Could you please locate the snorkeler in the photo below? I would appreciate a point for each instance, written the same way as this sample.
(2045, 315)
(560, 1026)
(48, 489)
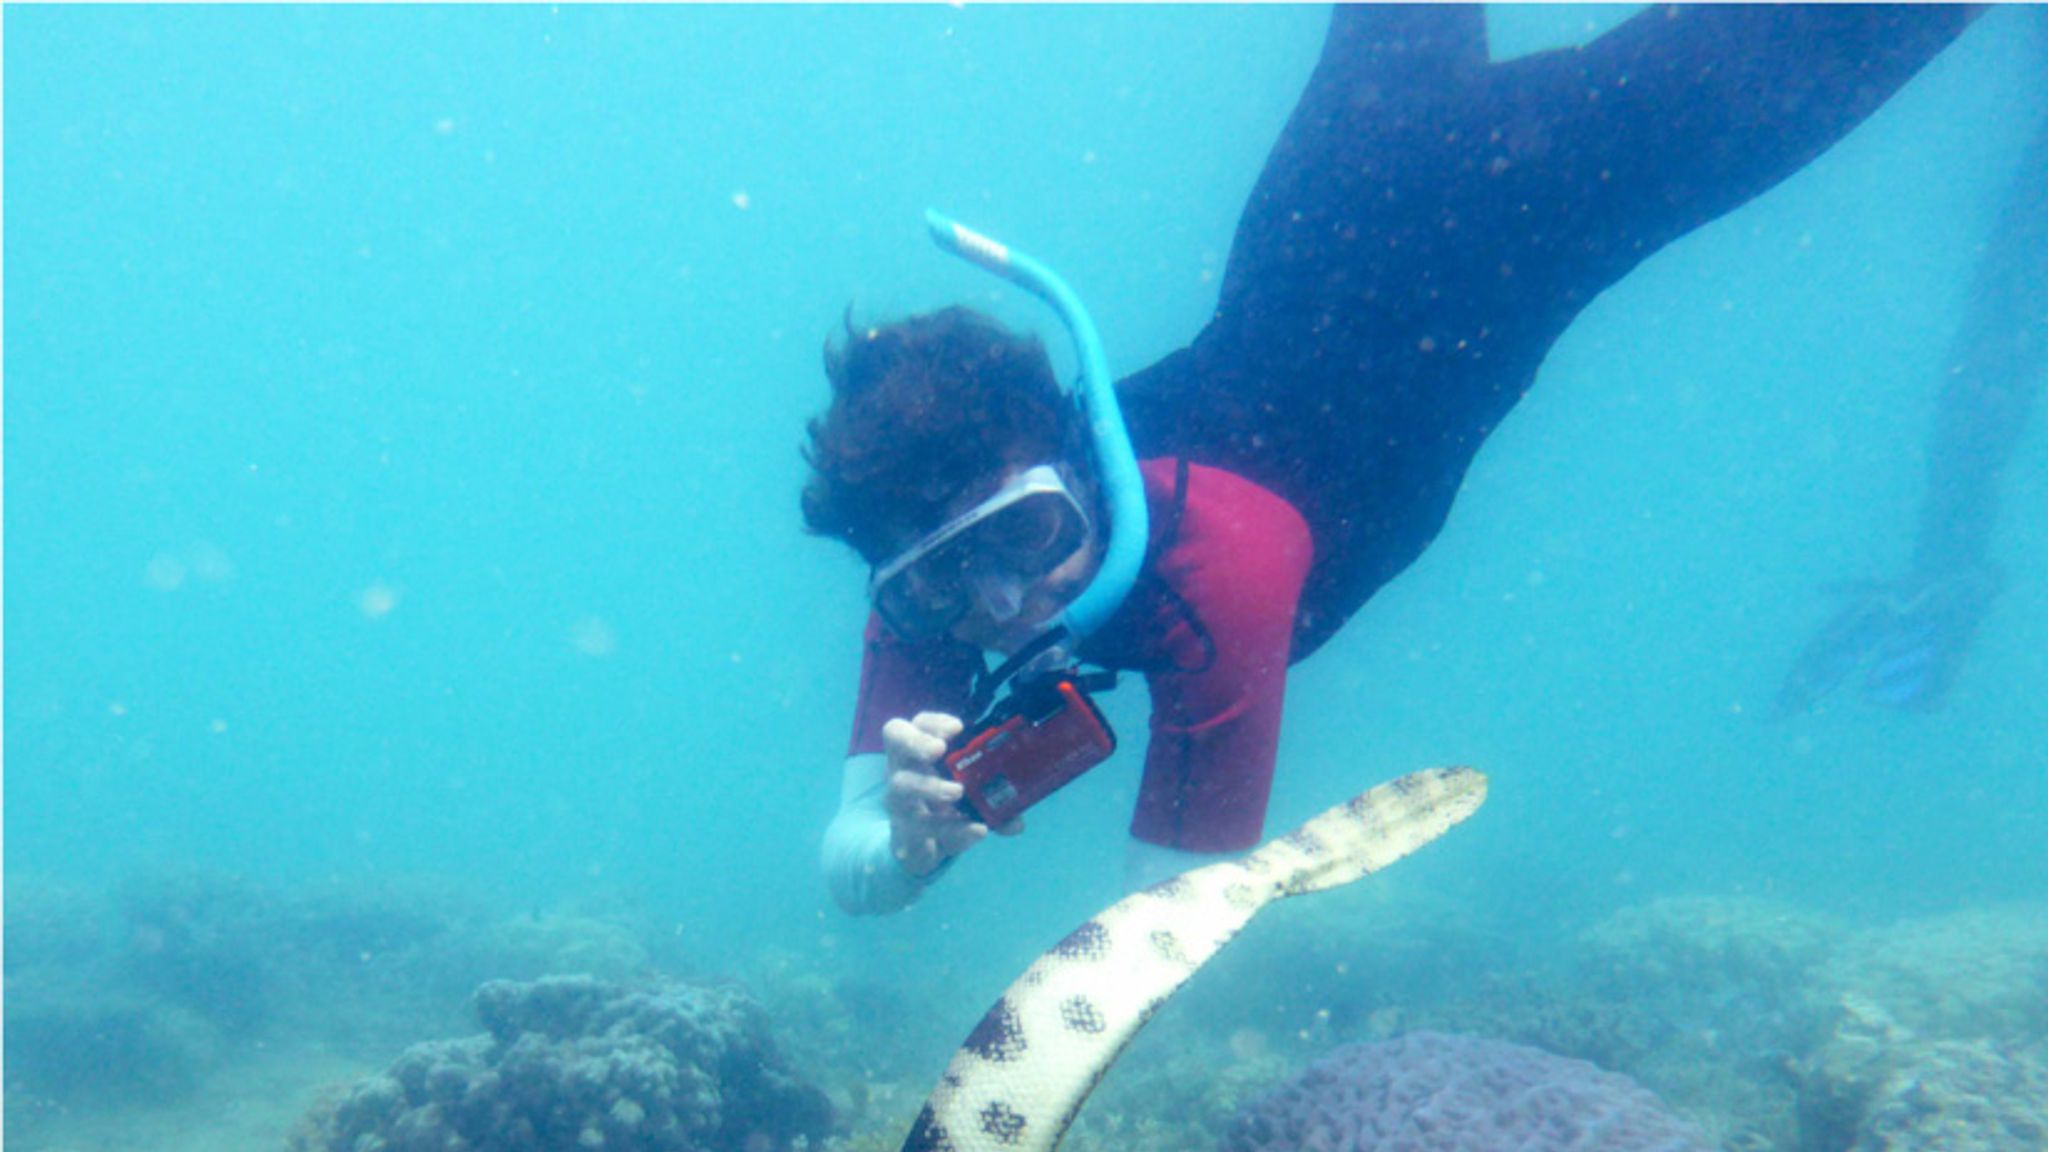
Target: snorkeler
(1905, 640)
(1428, 224)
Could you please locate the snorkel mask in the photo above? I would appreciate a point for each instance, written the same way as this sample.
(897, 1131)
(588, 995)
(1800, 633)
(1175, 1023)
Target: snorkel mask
(1033, 523)
(991, 554)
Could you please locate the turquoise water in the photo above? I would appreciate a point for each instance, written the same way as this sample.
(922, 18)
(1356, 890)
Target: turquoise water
(401, 464)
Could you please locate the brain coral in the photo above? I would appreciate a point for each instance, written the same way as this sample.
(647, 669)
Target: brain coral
(571, 1062)
(1431, 1092)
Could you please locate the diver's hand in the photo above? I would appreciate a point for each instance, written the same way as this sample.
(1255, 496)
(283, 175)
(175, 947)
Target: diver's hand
(926, 826)
(1904, 639)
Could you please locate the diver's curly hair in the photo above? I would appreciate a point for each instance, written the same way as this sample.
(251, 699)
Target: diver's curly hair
(923, 409)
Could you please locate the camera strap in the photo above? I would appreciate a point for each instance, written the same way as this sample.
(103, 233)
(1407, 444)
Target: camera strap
(991, 681)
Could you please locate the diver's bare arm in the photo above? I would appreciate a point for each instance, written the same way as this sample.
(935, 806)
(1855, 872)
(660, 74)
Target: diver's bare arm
(898, 824)
(860, 867)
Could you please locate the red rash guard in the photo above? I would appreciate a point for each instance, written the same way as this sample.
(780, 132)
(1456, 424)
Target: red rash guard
(1210, 623)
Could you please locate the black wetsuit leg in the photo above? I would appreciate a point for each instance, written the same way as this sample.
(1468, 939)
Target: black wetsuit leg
(1994, 378)
(1429, 223)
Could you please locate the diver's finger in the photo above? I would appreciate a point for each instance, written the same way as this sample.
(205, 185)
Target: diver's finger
(960, 837)
(919, 806)
(920, 786)
(943, 725)
(906, 742)
(918, 855)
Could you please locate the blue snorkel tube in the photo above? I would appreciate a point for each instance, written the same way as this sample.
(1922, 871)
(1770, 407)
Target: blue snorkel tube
(1115, 462)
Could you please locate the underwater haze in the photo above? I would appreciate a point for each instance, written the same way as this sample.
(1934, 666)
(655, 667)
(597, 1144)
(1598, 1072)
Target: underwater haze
(402, 424)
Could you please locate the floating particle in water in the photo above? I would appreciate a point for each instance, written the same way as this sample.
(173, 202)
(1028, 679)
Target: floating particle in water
(741, 200)
(377, 601)
(168, 570)
(1248, 1044)
(593, 637)
(164, 572)
(209, 564)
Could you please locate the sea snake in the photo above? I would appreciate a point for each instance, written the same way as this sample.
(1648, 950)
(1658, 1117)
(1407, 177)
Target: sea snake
(1022, 1074)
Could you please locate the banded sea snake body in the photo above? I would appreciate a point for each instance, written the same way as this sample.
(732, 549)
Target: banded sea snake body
(1021, 1076)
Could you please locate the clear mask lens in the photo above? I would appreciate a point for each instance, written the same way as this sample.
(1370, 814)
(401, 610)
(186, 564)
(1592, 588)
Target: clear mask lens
(994, 558)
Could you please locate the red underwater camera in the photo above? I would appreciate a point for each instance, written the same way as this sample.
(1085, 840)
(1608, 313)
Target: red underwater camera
(1031, 745)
